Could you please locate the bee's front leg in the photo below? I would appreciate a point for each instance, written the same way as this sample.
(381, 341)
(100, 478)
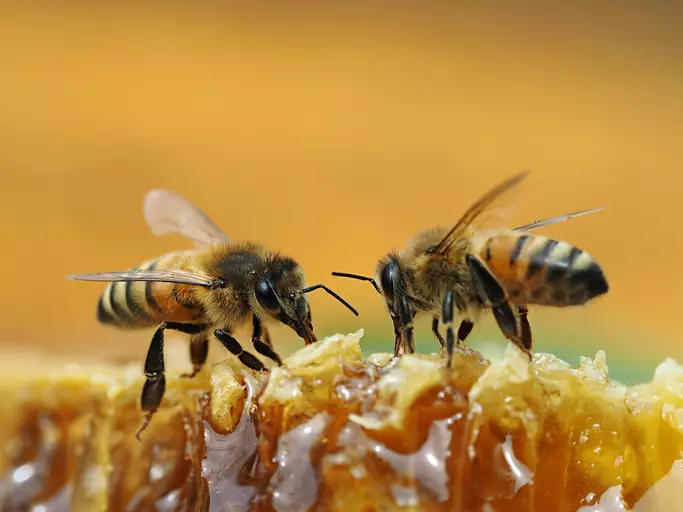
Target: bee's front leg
(398, 340)
(261, 347)
(406, 316)
(266, 336)
(229, 342)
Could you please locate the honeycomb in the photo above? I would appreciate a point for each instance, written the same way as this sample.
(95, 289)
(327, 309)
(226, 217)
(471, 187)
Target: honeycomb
(330, 430)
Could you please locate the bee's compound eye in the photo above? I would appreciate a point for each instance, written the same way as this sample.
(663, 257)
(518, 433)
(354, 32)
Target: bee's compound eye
(388, 277)
(265, 295)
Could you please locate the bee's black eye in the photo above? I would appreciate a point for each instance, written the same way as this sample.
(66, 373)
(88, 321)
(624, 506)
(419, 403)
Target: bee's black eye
(388, 277)
(265, 295)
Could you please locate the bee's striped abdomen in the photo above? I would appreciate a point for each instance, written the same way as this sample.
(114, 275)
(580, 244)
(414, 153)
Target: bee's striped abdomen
(539, 270)
(146, 303)
(124, 304)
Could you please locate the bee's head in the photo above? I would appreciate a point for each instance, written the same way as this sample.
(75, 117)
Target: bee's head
(280, 295)
(390, 281)
(392, 285)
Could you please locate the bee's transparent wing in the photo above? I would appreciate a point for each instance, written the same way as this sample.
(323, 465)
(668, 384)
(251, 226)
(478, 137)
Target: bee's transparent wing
(163, 276)
(555, 220)
(491, 209)
(168, 212)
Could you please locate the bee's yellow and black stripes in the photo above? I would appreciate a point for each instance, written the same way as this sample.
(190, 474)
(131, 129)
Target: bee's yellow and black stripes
(147, 303)
(538, 270)
(125, 304)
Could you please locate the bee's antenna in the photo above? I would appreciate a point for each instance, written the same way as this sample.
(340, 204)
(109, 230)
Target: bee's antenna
(316, 286)
(360, 278)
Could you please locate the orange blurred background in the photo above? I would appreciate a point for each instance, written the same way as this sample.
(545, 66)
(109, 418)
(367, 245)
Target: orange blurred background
(335, 133)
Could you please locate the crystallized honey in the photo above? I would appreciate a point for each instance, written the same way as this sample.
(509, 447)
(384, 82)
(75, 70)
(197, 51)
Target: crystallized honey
(331, 431)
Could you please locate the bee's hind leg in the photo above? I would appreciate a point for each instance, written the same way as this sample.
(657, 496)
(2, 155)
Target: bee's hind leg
(262, 347)
(527, 340)
(514, 326)
(199, 344)
(511, 319)
(155, 383)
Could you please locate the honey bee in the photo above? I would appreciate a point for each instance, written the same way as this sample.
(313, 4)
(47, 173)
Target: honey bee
(213, 289)
(471, 269)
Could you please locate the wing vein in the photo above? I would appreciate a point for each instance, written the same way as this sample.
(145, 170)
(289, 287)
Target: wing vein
(168, 212)
(166, 276)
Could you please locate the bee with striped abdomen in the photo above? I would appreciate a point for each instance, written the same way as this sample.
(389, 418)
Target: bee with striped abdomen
(210, 290)
(472, 270)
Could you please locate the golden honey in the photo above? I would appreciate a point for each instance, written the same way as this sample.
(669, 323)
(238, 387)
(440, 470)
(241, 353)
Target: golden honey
(331, 431)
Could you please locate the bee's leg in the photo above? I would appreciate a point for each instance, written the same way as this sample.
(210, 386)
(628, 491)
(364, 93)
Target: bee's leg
(266, 336)
(447, 316)
(199, 344)
(488, 288)
(464, 330)
(309, 319)
(406, 317)
(410, 339)
(491, 292)
(510, 322)
(527, 340)
(185, 328)
(398, 348)
(261, 347)
(155, 383)
(199, 350)
(234, 347)
(435, 330)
